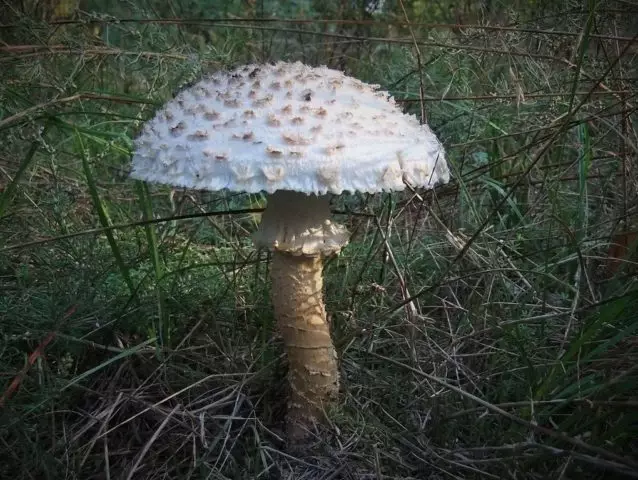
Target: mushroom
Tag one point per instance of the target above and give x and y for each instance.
(319, 134)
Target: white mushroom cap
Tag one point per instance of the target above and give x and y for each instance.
(287, 126)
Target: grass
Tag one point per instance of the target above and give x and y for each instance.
(485, 330)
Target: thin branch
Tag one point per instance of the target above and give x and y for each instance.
(122, 226)
(315, 21)
(537, 428)
(72, 98)
(419, 63)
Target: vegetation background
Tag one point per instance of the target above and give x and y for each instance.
(486, 330)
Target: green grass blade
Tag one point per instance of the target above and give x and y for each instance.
(11, 188)
(584, 42)
(127, 353)
(163, 327)
(103, 216)
(495, 186)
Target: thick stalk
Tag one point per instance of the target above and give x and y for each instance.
(297, 283)
(298, 230)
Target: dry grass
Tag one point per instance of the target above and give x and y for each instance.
(486, 330)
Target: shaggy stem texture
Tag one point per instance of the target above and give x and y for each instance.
(297, 283)
(297, 228)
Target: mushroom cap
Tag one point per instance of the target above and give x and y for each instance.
(287, 126)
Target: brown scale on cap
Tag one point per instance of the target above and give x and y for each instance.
(262, 102)
(295, 139)
(211, 115)
(244, 136)
(275, 86)
(297, 120)
(234, 79)
(210, 153)
(198, 135)
(287, 109)
(232, 103)
(273, 121)
(178, 129)
(320, 112)
(274, 151)
(288, 83)
(248, 114)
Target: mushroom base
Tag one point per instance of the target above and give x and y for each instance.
(313, 375)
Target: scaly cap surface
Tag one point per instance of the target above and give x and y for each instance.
(287, 126)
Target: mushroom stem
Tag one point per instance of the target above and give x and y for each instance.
(297, 283)
(297, 228)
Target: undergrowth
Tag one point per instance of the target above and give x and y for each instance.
(486, 329)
